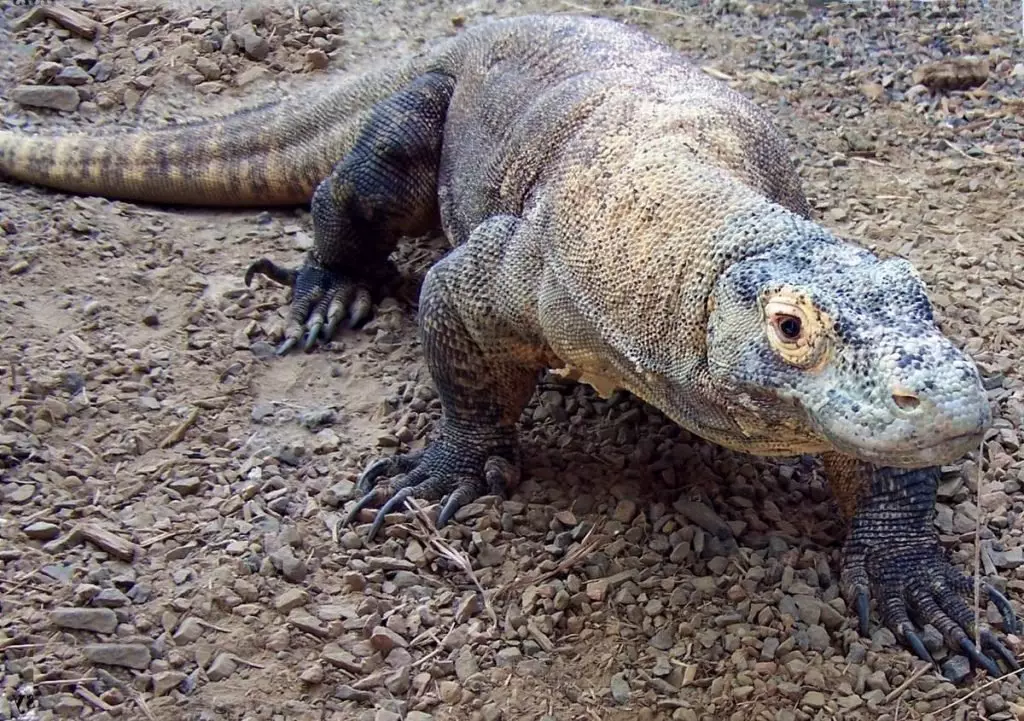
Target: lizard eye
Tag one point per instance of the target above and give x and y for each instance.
(789, 326)
(796, 329)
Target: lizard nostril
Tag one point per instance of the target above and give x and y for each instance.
(905, 400)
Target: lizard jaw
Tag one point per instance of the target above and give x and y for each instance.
(944, 451)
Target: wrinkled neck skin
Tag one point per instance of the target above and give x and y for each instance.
(880, 347)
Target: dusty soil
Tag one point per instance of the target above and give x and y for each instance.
(169, 487)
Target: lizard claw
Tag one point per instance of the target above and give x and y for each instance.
(456, 473)
(914, 577)
(322, 299)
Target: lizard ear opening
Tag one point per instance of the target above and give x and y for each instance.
(798, 331)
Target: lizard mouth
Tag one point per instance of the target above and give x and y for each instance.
(901, 453)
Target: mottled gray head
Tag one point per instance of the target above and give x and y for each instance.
(849, 341)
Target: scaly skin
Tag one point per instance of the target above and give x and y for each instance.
(618, 216)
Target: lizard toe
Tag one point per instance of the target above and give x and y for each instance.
(455, 473)
(268, 268)
(914, 580)
(322, 299)
(965, 585)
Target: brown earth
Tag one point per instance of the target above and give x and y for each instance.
(176, 486)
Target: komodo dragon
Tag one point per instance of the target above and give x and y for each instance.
(620, 216)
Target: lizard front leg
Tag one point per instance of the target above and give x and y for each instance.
(383, 189)
(484, 350)
(893, 553)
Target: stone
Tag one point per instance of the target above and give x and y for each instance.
(620, 689)
(72, 75)
(97, 620)
(956, 669)
(813, 699)
(189, 631)
(291, 599)
(465, 664)
(165, 681)
(41, 531)
(54, 97)
(129, 655)
(222, 667)
(508, 656)
(384, 639)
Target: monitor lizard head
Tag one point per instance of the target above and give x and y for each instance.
(849, 342)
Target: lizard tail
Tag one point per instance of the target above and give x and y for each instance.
(274, 154)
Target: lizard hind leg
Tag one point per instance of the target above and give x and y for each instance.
(484, 350)
(384, 188)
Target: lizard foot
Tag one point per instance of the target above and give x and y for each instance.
(457, 472)
(321, 299)
(910, 576)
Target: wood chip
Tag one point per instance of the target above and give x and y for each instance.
(179, 431)
(74, 21)
(109, 542)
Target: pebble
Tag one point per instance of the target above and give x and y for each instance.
(465, 664)
(97, 620)
(813, 699)
(292, 598)
(956, 669)
(620, 689)
(41, 531)
(508, 656)
(189, 631)
(384, 639)
(55, 97)
(165, 681)
(130, 655)
(72, 75)
(221, 668)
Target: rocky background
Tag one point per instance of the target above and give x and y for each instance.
(170, 489)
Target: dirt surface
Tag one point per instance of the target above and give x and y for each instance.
(169, 488)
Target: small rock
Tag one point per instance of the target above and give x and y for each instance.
(465, 664)
(130, 655)
(995, 703)
(189, 631)
(55, 97)
(625, 511)
(819, 638)
(41, 531)
(768, 649)
(292, 598)
(222, 667)
(620, 689)
(663, 639)
(312, 18)
(72, 75)
(255, 46)
(111, 598)
(164, 681)
(384, 639)
(97, 620)
(20, 492)
(312, 675)
(813, 699)
(508, 656)
(252, 75)
(956, 669)
(317, 59)
(185, 486)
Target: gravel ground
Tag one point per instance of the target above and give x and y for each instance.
(169, 489)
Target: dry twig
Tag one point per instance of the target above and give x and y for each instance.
(432, 537)
(587, 546)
